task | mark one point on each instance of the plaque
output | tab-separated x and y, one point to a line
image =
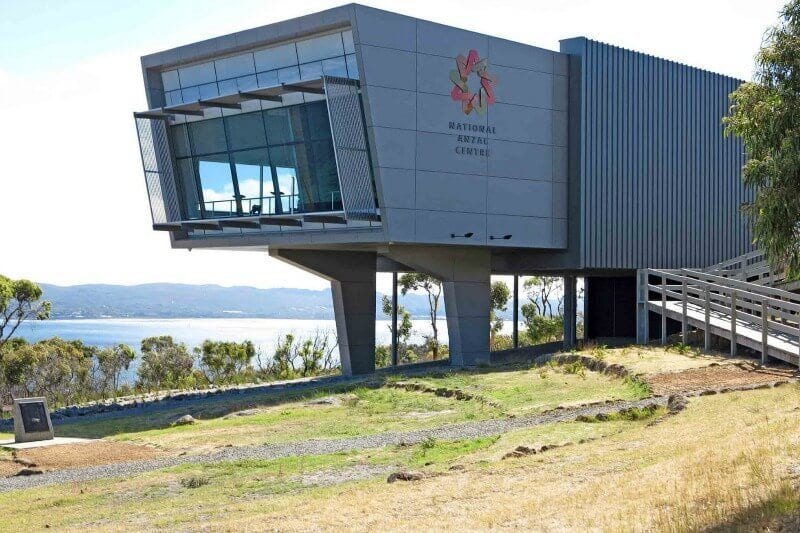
32	420
34	417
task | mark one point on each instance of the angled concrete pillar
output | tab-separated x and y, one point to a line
352	277
465	274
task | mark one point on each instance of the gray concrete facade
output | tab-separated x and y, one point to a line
590	161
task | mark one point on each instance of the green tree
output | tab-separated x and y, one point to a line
57	369
433	289
225	362
111	363
541	291
543	320
765	113
165	363
20	300
404	327
498	298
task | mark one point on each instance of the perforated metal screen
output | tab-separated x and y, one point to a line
159	174
350	146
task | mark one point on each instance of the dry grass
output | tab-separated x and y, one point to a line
647	360
726	458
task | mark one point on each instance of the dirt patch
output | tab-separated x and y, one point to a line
716	378
75	456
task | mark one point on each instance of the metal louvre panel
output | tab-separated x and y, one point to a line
660	183
350	147
158	171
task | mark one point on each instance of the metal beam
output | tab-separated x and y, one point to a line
515	314
202	224
277	221
154	114
245	223
191	112
256	96
325	219
394	319
168	226
302	88
222	105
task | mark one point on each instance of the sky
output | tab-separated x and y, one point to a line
72	196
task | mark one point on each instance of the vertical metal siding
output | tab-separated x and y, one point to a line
660	183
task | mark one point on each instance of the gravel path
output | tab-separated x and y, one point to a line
463	430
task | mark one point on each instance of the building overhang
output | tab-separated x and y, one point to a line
273	93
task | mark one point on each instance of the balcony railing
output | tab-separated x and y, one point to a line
289	204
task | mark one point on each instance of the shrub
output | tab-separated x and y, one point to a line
165	364
429	443
576	368
681	348
226	362
307	357
193	482
383	356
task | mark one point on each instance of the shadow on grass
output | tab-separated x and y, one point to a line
779	512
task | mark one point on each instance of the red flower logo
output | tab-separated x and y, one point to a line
484	96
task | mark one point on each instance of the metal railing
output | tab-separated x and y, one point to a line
773	312
754	268
264	205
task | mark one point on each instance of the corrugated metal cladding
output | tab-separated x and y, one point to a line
660	183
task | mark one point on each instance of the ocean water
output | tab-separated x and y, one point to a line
265	333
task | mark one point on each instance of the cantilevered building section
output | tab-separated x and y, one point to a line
356	141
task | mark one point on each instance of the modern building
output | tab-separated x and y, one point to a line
355	141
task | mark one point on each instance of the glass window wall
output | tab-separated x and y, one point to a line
276	161
332	54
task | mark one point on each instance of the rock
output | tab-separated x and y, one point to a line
677	403
185	420
246	412
327	400
29	472
520	451
405	475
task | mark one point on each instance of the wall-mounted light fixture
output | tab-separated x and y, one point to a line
504	237
465	236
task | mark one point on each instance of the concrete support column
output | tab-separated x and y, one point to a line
465	275
352	277
570	311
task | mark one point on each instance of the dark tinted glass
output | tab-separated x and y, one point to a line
245	131
284	125
326	177
189	188
319	126
207	136
180	140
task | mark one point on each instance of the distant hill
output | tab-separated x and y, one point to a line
171	300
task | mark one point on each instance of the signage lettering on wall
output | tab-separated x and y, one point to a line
472	138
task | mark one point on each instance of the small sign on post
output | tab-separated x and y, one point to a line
32	420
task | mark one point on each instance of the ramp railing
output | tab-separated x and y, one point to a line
764	318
